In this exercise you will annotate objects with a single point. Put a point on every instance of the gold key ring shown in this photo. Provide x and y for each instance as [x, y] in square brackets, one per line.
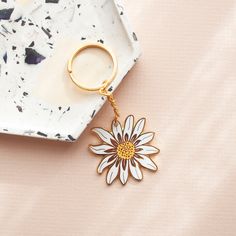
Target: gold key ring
[107, 82]
[103, 88]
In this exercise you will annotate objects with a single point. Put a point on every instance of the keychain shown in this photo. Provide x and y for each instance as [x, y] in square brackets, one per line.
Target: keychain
[126, 149]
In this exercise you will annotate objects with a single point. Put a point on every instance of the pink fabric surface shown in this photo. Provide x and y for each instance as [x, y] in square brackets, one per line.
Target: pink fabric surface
[184, 84]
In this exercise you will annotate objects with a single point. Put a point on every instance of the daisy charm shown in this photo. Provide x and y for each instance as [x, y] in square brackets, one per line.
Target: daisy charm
[125, 150]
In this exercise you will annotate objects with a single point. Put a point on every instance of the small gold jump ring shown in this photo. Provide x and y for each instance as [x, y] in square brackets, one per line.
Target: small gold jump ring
[107, 82]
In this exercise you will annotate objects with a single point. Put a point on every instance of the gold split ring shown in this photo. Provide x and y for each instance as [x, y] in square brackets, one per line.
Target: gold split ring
[103, 88]
[107, 82]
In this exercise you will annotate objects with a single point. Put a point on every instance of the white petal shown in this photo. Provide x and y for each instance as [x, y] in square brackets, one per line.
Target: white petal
[124, 171]
[147, 150]
[106, 162]
[112, 173]
[104, 135]
[138, 129]
[146, 162]
[135, 170]
[144, 138]
[117, 131]
[128, 128]
[101, 149]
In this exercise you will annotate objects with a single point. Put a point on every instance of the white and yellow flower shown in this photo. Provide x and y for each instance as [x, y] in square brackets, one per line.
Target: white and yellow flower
[125, 150]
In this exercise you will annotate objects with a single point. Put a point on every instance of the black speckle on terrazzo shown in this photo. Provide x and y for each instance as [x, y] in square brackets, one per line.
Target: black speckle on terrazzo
[50, 45]
[2, 34]
[19, 108]
[42, 134]
[32, 44]
[5, 29]
[18, 19]
[23, 23]
[51, 1]
[47, 32]
[5, 14]
[32, 56]
[135, 37]
[94, 111]
[5, 57]
[71, 137]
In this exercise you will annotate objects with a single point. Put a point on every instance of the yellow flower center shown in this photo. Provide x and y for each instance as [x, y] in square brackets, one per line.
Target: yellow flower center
[126, 150]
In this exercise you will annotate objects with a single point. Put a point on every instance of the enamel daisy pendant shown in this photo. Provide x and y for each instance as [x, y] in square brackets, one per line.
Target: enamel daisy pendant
[125, 150]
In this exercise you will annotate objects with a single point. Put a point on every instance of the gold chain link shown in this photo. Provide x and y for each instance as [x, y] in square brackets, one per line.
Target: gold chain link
[112, 101]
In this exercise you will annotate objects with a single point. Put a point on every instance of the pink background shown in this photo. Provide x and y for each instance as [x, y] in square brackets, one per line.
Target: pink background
[184, 84]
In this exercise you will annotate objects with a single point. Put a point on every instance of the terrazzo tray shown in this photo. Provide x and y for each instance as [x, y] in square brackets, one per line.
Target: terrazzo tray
[36, 39]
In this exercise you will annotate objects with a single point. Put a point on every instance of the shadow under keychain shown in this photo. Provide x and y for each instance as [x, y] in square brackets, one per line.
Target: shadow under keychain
[124, 150]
